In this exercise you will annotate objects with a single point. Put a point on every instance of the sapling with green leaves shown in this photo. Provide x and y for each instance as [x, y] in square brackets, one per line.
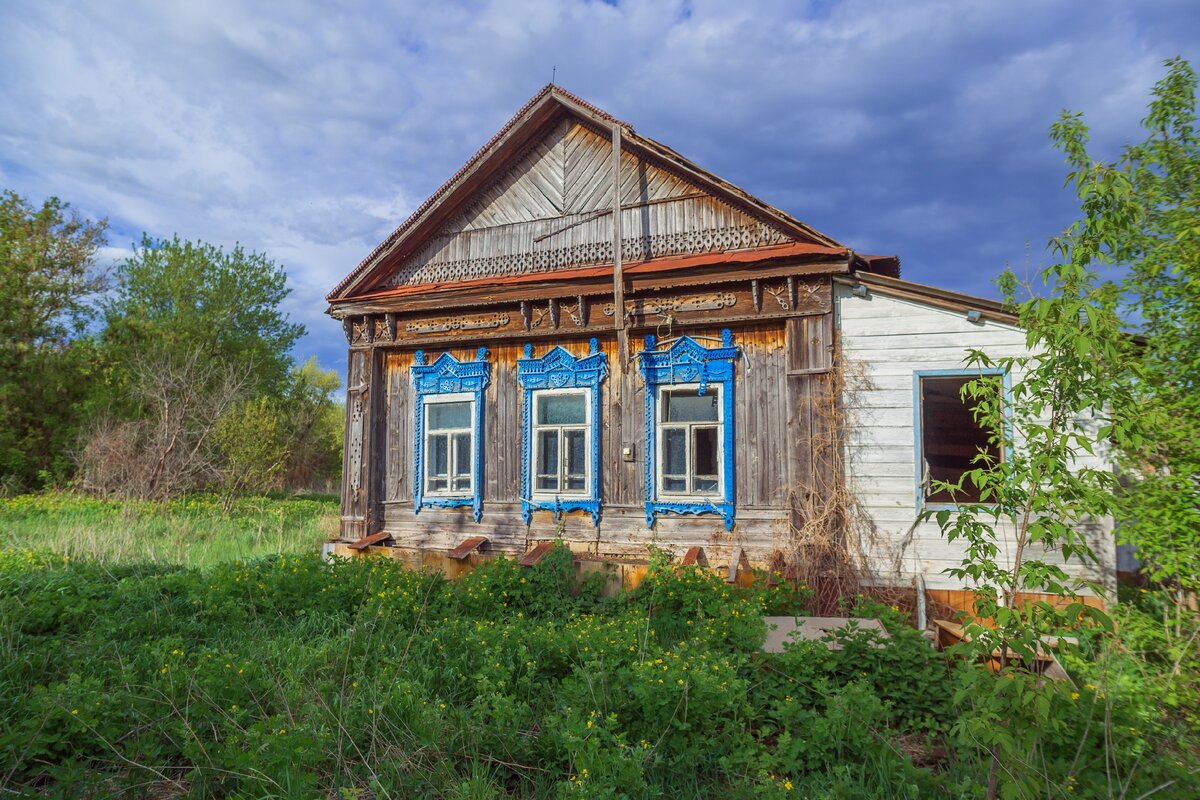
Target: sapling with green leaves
[1072, 400]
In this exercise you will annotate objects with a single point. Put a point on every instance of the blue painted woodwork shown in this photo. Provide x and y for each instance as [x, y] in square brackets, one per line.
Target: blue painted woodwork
[558, 369]
[688, 361]
[448, 375]
[918, 432]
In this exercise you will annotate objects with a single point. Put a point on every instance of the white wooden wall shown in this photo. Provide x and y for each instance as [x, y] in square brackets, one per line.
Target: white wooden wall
[884, 341]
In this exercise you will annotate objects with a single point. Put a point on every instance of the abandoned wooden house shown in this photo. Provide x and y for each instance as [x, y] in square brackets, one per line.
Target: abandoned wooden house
[583, 336]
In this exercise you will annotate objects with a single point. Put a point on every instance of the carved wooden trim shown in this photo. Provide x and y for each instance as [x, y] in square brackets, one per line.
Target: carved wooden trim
[663, 305]
[577, 312]
[425, 268]
[475, 323]
[780, 293]
[360, 331]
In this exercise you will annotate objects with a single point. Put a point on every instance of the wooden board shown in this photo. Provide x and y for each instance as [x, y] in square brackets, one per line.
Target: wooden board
[551, 208]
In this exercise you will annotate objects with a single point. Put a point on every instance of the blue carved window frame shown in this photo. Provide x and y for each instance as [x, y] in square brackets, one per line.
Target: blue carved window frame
[448, 375]
[686, 361]
[558, 369]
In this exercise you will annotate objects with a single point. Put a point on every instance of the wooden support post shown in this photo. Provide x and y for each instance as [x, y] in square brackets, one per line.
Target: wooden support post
[618, 276]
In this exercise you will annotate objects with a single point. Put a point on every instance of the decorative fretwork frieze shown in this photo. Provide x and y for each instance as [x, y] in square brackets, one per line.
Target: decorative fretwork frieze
[428, 267]
[664, 305]
[456, 324]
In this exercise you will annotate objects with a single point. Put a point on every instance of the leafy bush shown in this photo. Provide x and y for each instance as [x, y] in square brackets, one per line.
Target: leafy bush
[290, 676]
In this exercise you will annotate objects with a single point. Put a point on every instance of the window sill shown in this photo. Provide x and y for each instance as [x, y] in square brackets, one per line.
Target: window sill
[689, 506]
[560, 504]
[952, 507]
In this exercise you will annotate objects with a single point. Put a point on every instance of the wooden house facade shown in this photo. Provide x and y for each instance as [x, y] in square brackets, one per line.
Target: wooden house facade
[584, 336]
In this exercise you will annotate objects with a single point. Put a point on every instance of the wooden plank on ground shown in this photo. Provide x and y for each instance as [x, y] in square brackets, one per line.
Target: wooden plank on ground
[467, 547]
[367, 541]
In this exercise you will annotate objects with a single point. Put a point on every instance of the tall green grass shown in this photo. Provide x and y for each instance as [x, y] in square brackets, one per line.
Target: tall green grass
[191, 531]
[292, 677]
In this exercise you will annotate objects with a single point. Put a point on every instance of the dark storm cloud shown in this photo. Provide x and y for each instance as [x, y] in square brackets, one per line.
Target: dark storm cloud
[310, 130]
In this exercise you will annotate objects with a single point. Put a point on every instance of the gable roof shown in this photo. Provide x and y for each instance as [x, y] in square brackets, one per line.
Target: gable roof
[549, 104]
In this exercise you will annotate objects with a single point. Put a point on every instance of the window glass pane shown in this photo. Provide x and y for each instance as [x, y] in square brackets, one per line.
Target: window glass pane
[705, 451]
[576, 460]
[439, 456]
[950, 436]
[687, 405]
[705, 484]
[547, 460]
[561, 409]
[462, 454]
[674, 484]
[674, 452]
[449, 415]
[438, 463]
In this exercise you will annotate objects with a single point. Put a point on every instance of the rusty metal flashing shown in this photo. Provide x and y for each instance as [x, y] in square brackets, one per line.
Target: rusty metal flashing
[536, 554]
[744, 261]
[695, 557]
[467, 547]
[367, 541]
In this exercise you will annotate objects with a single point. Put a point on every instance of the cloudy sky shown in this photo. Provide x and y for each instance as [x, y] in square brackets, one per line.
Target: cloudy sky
[309, 130]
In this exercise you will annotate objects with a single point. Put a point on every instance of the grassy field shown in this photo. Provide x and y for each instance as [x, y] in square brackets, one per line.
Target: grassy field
[191, 531]
[173, 651]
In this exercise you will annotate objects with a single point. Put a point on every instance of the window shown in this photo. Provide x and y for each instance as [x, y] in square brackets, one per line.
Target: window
[689, 440]
[448, 431]
[689, 427]
[560, 454]
[449, 438]
[949, 439]
[561, 442]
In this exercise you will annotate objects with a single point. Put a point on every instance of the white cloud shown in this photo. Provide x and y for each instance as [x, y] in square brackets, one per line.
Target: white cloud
[309, 130]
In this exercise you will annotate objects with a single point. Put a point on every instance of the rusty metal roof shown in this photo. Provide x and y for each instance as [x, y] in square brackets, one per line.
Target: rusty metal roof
[647, 267]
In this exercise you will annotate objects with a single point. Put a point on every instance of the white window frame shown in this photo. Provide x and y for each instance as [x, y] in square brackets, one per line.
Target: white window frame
[535, 427]
[661, 425]
[438, 399]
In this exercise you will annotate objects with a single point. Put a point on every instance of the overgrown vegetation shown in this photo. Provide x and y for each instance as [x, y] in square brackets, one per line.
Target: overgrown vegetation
[169, 374]
[1086, 387]
[46, 255]
[292, 677]
[195, 530]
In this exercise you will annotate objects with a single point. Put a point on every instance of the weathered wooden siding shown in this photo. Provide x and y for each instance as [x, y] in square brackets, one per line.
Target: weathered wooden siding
[356, 453]
[552, 208]
[884, 340]
[766, 447]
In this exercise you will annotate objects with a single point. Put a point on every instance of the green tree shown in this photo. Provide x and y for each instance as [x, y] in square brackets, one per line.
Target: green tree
[1129, 264]
[315, 426]
[177, 298]
[47, 260]
[1160, 245]
[253, 438]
